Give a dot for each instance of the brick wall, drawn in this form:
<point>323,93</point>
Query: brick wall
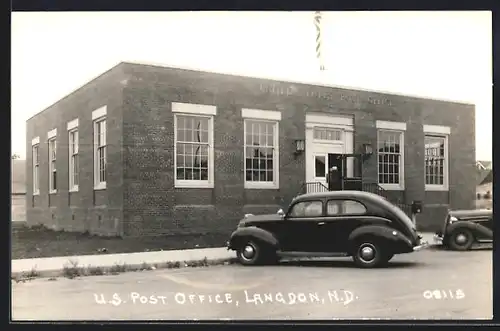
<point>140,198</point>
<point>153,205</point>
<point>98,212</point>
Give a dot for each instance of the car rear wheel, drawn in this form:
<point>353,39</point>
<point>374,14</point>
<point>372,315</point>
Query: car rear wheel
<point>461,240</point>
<point>369,253</point>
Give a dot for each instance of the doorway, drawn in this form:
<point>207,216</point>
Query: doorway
<point>323,162</point>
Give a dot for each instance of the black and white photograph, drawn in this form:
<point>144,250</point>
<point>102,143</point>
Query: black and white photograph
<point>251,165</point>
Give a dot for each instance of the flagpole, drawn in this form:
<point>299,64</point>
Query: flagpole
<point>317,24</point>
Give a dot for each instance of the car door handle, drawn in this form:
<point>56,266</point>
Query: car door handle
<point>321,223</point>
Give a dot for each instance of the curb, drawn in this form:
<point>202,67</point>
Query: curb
<point>73,270</point>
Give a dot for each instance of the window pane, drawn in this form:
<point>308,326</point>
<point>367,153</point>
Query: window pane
<point>319,166</point>
<point>389,155</point>
<point>307,209</point>
<point>434,160</point>
<point>259,160</point>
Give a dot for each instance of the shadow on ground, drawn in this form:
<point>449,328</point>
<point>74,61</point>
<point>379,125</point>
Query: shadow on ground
<point>481,247</point>
<point>346,264</point>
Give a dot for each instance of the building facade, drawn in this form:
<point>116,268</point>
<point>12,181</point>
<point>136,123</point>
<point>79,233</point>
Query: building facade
<point>151,150</point>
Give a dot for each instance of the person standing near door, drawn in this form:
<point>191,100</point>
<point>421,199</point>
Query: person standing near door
<point>334,179</point>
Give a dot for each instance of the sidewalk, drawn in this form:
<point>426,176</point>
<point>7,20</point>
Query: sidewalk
<point>54,266</point>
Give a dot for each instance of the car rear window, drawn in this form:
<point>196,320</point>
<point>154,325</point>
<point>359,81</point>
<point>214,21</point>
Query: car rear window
<point>345,207</point>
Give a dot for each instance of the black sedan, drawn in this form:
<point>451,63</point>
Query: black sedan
<point>337,223</point>
<point>463,228</point>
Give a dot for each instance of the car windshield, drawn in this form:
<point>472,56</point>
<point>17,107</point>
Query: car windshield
<point>397,211</point>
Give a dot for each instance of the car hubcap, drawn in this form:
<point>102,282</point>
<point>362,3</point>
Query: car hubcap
<point>248,252</point>
<point>367,252</point>
<point>461,239</point>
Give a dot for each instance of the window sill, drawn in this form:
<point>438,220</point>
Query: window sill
<point>73,189</point>
<point>193,184</point>
<point>36,193</point>
<point>100,186</point>
<point>392,187</point>
<point>261,186</point>
<point>436,188</point>
<point>53,192</point>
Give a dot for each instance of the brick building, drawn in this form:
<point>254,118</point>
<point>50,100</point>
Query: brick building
<point>145,150</point>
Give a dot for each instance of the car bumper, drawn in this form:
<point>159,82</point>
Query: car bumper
<point>438,238</point>
<point>423,245</point>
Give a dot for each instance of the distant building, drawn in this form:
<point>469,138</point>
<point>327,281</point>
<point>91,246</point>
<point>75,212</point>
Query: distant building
<point>484,191</point>
<point>18,190</point>
<point>151,150</point>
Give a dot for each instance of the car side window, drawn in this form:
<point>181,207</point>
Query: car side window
<point>345,207</point>
<point>307,209</point>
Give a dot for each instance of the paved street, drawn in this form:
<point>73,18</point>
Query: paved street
<point>462,282</point>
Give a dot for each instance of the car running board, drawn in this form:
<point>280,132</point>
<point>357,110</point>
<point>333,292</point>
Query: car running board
<point>310,254</point>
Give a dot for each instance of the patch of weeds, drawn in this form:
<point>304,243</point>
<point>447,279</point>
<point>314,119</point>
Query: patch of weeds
<point>118,268</point>
<point>95,271</point>
<point>197,263</point>
<point>173,265</point>
<point>72,270</point>
<point>31,274</point>
<point>52,279</point>
<point>147,266</point>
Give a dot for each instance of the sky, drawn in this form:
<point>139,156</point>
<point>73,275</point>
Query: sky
<point>441,55</point>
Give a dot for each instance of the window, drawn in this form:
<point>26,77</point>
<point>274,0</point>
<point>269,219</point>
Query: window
<point>260,153</point>
<point>327,134</point>
<point>100,153</point>
<point>73,160</point>
<point>194,159</point>
<point>261,148</point>
<point>435,162</point>
<point>36,168</point>
<point>390,159</point>
<point>345,207</point>
<point>52,166</point>
<point>307,209</point>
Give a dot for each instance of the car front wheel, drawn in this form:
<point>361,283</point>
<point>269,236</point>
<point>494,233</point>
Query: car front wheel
<point>253,252</point>
<point>370,253</point>
<point>460,240</point>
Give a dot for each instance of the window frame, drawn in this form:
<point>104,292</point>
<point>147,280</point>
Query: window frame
<point>268,116</point>
<point>201,111</point>
<point>99,116</point>
<point>73,157</point>
<point>35,164</point>
<point>290,216</point>
<point>392,127</point>
<point>52,160</point>
<point>442,132</point>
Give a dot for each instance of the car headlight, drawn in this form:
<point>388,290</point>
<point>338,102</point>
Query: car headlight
<point>452,219</point>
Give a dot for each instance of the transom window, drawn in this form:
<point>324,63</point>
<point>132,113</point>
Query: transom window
<point>327,134</point>
<point>193,147</point>
<point>390,162</point>
<point>435,160</point>
<point>100,158</point>
<point>261,141</point>
<point>36,168</point>
<point>345,207</point>
<point>52,165</point>
<point>73,160</point>
<point>307,209</point>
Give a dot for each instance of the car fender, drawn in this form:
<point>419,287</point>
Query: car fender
<point>383,232</point>
<point>474,227</point>
<point>253,232</point>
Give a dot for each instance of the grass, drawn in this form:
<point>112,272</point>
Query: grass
<point>39,241</point>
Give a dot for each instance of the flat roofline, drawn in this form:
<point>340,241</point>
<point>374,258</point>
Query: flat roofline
<point>76,89</point>
<point>304,82</point>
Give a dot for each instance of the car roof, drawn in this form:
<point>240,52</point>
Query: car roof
<point>471,212</point>
<point>339,194</point>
